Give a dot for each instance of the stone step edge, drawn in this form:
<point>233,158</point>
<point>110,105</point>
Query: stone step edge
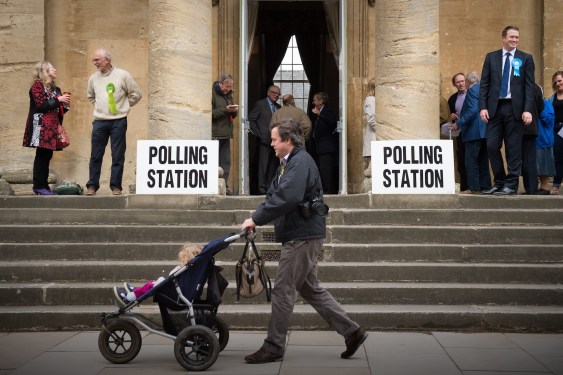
<point>256,317</point>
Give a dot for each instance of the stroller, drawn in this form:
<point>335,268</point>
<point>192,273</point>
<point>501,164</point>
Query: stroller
<point>201,335</point>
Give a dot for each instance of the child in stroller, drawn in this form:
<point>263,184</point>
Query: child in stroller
<point>203,334</point>
<point>128,294</point>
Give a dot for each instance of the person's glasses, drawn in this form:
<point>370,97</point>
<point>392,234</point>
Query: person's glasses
<point>97,59</point>
<point>274,92</point>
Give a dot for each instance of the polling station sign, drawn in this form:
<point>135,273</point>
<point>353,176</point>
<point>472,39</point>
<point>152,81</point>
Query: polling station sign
<point>412,167</point>
<point>177,167</point>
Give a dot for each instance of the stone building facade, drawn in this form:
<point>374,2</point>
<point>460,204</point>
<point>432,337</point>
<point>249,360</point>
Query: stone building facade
<point>175,49</point>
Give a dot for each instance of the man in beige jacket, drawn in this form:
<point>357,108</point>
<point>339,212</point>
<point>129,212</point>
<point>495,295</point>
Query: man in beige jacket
<point>290,111</point>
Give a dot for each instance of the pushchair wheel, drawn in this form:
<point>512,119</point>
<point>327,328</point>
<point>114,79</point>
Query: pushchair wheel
<point>196,348</point>
<point>119,341</point>
<point>221,330</point>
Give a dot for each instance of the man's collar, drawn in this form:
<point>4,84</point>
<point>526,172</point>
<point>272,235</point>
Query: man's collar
<point>512,52</point>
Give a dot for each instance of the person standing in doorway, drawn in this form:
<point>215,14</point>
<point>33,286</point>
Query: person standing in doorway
<point>113,92</point>
<point>506,103</point>
<point>301,231</point>
<point>223,113</point>
<point>259,119</point>
<point>325,141</point>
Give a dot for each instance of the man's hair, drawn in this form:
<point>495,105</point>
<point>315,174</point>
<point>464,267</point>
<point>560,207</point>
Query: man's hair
<point>104,53</point>
<point>473,77</point>
<point>289,129</point>
<point>557,73</point>
<point>225,77</point>
<point>270,88</point>
<point>455,75</point>
<point>288,100</point>
<point>507,28</point>
<point>322,96</point>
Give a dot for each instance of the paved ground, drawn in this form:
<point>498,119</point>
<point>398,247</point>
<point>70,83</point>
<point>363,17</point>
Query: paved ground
<point>311,353</point>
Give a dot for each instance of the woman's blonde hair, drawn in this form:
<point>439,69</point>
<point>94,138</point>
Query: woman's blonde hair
<point>371,87</point>
<point>41,73</point>
<point>188,252</point>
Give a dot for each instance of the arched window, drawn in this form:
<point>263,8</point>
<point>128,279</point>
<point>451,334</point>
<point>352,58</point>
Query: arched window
<point>291,77</point>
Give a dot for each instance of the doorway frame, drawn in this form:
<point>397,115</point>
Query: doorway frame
<point>244,160</point>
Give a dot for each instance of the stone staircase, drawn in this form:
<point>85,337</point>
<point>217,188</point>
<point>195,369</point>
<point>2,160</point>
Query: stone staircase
<point>394,262</point>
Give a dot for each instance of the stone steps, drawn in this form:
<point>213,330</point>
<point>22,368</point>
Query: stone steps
<point>408,293</point>
<point>394,262</point>
<point>255,317</point>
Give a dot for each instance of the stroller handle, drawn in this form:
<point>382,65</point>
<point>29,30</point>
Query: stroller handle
<point>237,236</point>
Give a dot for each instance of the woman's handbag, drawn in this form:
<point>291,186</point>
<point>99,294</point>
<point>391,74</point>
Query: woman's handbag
<point>251,275</point>
<point>62,138</point>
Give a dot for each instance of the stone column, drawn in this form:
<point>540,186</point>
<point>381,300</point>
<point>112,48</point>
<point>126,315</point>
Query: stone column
<point>407,69</point>
<point>180,69</point>
<point>552,43</point>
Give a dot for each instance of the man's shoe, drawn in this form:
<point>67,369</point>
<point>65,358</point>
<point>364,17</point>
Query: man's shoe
<point>354,342</point>
<point>91,191</point>
<point>116,191</point>
<point>263,356</point>
<point>542,192</point>
<point>491,191</point>
<point>505,191</point>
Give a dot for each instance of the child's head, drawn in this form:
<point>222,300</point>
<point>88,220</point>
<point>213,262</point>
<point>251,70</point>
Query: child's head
<point>188,252</point>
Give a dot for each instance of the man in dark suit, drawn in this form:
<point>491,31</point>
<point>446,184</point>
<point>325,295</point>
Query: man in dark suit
<point>455,102</point>
<point>475,139</point>
<point>324,141</point>
<point>260,118</point>
<point>506,103</point>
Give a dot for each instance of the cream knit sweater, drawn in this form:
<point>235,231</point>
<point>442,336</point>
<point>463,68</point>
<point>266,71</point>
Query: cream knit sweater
<point>127,93</point>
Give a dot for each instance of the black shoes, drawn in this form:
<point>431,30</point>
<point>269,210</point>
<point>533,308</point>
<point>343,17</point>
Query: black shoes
<point>354,342</point>
<point>263,356</point>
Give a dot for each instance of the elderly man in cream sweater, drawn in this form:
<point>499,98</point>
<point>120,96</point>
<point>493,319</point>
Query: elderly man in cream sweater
<point>113,92</point>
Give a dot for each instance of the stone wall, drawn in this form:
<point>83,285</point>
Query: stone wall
<point>22,46</point>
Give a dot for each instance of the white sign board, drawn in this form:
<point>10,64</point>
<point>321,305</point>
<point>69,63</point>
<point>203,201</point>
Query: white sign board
<point>412,167</point>
<point>177,167</point>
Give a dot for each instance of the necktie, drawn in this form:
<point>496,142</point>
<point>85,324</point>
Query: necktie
<point>273,107</point>
<point>505,76</point>
<point>282,168</point>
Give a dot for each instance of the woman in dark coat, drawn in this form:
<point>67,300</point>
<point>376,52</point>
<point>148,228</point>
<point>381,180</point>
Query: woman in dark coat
<point>46,108</point>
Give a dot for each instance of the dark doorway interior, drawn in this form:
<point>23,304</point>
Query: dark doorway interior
<point>277,22</point>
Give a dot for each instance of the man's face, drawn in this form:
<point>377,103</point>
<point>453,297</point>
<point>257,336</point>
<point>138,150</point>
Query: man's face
<point>281,148</point>
<point>510,41</point>
<point>101,63</point>
<point>226,86</point>
<point>274,94</point>
<point>317,102</point>
<point>459,83</point>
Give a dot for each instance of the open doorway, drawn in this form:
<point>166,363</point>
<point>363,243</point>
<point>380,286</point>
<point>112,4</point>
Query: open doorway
<point>273,30</point>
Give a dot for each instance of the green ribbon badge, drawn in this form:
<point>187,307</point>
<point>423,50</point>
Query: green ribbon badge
<point>110,88</point>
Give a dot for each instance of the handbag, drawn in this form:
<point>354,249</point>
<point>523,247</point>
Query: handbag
<point>62,137</point>
<point>68,188</point>
<point>446,130</point>
<point>251,276</point>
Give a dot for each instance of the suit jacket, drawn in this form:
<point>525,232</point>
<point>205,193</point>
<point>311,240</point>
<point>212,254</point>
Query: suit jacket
<point>451,103</point>
<point>291,112</point>
<point>471,125</point>
<point>324,137</point>
<point>260,118</point>
<point>521,87</point>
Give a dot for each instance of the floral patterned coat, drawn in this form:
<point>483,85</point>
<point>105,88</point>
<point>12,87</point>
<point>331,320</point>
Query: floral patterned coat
<point>46,112</point>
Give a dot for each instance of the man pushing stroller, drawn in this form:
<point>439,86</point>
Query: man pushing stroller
<point>295,203</point>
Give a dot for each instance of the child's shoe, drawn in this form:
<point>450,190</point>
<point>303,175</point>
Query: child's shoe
<point>120,296</point>
<point>128,287</point>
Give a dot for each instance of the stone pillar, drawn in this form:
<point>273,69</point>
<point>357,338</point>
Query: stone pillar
<point>407,69</point>
<point>552,43</point>
<point>180,69</point>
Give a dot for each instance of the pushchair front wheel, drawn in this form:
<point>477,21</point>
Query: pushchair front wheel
<point>196,348</point>
<point>119,341</point>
